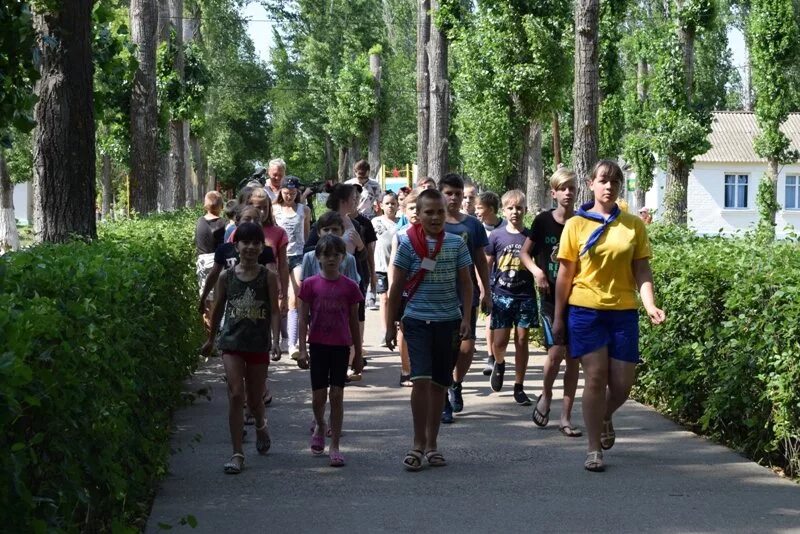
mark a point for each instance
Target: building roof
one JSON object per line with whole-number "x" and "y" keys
{"x": 733, "y": 132}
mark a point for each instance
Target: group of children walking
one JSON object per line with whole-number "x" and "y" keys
{"x": 586, "y": 265}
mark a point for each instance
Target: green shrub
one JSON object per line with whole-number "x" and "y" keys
{"x": 727, "y": 361}
{"x": 96, "y": 339}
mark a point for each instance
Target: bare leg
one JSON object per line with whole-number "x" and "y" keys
{"x": 319, "y": 398}
{"x": 500, "y": 339}
{"x": 234, "y": 374}
{"x": 435, "y": 405}
{"x": 595, "y": 371}
{"x": 405, "y": 362}
{"x": 621, "y": 376}
{"x": 489, "y": 336}
{"x": 551, "y": 366}
{"x": 465, "y": 353}
{"x": 570, "y": 386}
{"x": 337, "y": 415}
{"x": 420, "y": 406}
{"x": 521, "y": 356}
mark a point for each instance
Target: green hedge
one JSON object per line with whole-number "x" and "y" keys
{"x": 727, "y": 361}
{"x": 96, "y": 340}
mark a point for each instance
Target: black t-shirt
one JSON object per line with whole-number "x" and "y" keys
{"x": 367, "y": 233}
{"x": 209, "y": 234}
{"x": 227, "y": 255}
{"x": 546, "y": 235}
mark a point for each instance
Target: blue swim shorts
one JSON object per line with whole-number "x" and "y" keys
{"x": 590, "y": 330}
{"x": 509, "y": 311}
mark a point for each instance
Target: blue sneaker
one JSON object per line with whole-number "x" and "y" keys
{"x": 447, "y": 413}
{"x": 454, "y": 397}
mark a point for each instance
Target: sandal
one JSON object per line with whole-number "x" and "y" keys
{"x": 607, "y": 436}
{"x": 249, "y": 420}
{"x": 337, "y": 459}
{"x": 317, "y": 444}
{"x": 232, "y": 466}
{"x": 302, "y": 363}
{"x": 594, "y": 462}
{"x": 570, "y": 431}
{"x": 413, "y": 460}
{"x": 405, "y": 381}
{"x": 435, "y": 458}
{"x": 263, "y": 441}
{"x": 539, "y": 418}
{"x": 267, "y": 400}
{"x": 276, "y": 357}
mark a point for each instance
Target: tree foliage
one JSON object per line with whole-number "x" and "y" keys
{"x": 19, "y": 68}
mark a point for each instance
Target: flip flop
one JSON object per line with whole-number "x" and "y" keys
{"x": 263, "y": 442}
{"x": 435, "y": 458}
{"x": 317, "y": 444}
{"x": 539, "y": 418}
{"x": 233, "y": 468}
{"x": 337, "y": 459}
{"x": 570, "y": 431}
{"x": 413, "y": 460}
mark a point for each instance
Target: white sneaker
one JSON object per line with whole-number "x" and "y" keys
{"x": 294, "y": 352}
{"x": 284, "y": 345}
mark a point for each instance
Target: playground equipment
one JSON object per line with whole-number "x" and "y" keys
{"x": 392, "y": 179}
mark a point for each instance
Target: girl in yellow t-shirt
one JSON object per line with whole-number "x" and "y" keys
{"x": 604, "y": 260}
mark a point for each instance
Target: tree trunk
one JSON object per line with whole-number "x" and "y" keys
{"x": 767, "y": 202}
{"x": 341, "y": 174}
{"x": 199, "y": 160}
{"x": 164, "y": 186}
{"x": 374, "y": 154}
{"x": 423, "y": 88}
{"x": 675, "y": 191}
{"x": 556, "y": 141}
{"x": 105, "y": 182}
{"x": 9, "y": 236}
{"x": 64, "y": 143}
{"x": 353, "y": 155}
{"x": 144, "y": 108}
{"x": 177, "y": 146}
{"x": 330, "y": 173}
{"x": 686, "y": 38}
{"x": 439, "y": 100}
{"x": 586, "y": 93}
{"x": 534, "y": 169}
{"x": 642, "y": 69}
{"x": 191, "y": 177}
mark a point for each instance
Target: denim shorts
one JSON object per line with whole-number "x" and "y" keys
{"x": 509, "y": 311}
{"x": 294, "y": 261}
{"x": 590, "y": 330}
{"x": 432, "y": 349}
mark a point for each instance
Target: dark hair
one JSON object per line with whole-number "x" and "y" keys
{"x": 330, "y": 244}
{"x": 244, "y": 194}
{"x": 611, "y": 167}
{"x": 361, "y": 165}
{"x": 231, "y": 207}
{"x": 405, "y": 189}
{"x": 451, "y": 180}
{"x": 248, "y": 232}
{"x": 330, "y": 218}
{"x": 339, "y": 193}
{"x": 240, "y": 209}
{"x": 490, "y": 199}
{"x": 389, "y": 194}
{"x": 433, "y": 194}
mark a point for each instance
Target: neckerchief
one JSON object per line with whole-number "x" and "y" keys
{"x": 584, "y": 212}
{"x": 416, "y": 235}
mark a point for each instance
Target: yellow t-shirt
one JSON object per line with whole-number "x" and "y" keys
{"x": 604, "y": 278}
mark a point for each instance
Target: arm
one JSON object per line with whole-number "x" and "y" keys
{"x": 644, "y": 281}
{"x": 211, "y": 280}
{"x": 275, "y": 315}
{"x": 302, "y": 334}
{"x": 306, "y": 221}
{"x": 566, "y": 272}
{"x": 216, "y": 313}
{"x": 538, "y": 275}
{"x": 397, "y": 277}
{"x": 373, "y": 280}
{"x": 482, "y": 270}
{"x": 283, "y": 273}
{"x": 355, "y": 333}
{"x": 465, "y": 286}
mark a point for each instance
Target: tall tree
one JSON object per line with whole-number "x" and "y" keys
{"x": 375, "y": 131}
{"x": 586, "y": 93}
{"x": 9, "y": 236}
{"x": 64, "y": 151}
{"x": 144, "y": 158}
{"x": 773, "y": 37}
{"x": 423, "y": 85}
{"x": 177, "y": 145}
{"x": 439, "y": 90}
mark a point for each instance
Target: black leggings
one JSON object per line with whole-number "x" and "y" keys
{"x": 328, "y": 365}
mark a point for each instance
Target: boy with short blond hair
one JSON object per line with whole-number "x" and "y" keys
{"x": 513, "y": 297}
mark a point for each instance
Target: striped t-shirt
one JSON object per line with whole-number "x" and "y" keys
{"x": 435, "y": 298}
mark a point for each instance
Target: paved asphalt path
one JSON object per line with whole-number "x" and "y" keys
{"x": 504, "y": 474}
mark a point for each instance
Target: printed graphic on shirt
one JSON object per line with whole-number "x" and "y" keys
{"x": 246, "y": 307}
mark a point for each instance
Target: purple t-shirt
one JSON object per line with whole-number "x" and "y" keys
{"x": 509, "y": 277}
{"x": 330, "y": 302}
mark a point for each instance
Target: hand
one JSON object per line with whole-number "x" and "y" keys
{"x": 541, "y": 282}
{"x": 559, "y": 329}
{"x": 391, "y": 338}
{"x": 486, "y": 303}
{"x": 207, "y": 347}
{"x": 358, "y": 362}
{"x": 276, "y": 348}
{"x": 657, "y": 315}
{"x": 465, "y": 330}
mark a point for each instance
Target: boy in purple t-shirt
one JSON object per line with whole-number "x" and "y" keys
{"x": 329, "y": 315}
{"x": 513, "y": 298}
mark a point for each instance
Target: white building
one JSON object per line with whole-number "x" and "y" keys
{"x": 724, "y": 181}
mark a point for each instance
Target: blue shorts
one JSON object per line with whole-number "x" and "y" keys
{"x": 294, "y": 261}
{"x": 509, "y": 311}
{"x": 432, "y": 349}
{"x": 591, "y": 329}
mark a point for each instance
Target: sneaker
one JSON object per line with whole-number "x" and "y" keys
{"x": 294, "y": 352}
{"x": 373, "y": 305}
{"x": 489, "y": 366}
{"x": 284, "y": 345}
{"x": 497, "y": 376}
{"x": 454, "y": 397}
{"x": 352, "y": 376}
{"x": 521, "y": 398}
{"x": 447, "y": 413}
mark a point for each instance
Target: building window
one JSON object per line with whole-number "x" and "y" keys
{"x": 735, "y": 190}
{"x": 792, "y": 192}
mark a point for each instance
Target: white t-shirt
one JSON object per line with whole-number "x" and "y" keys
{"x": 370, "y": 193}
